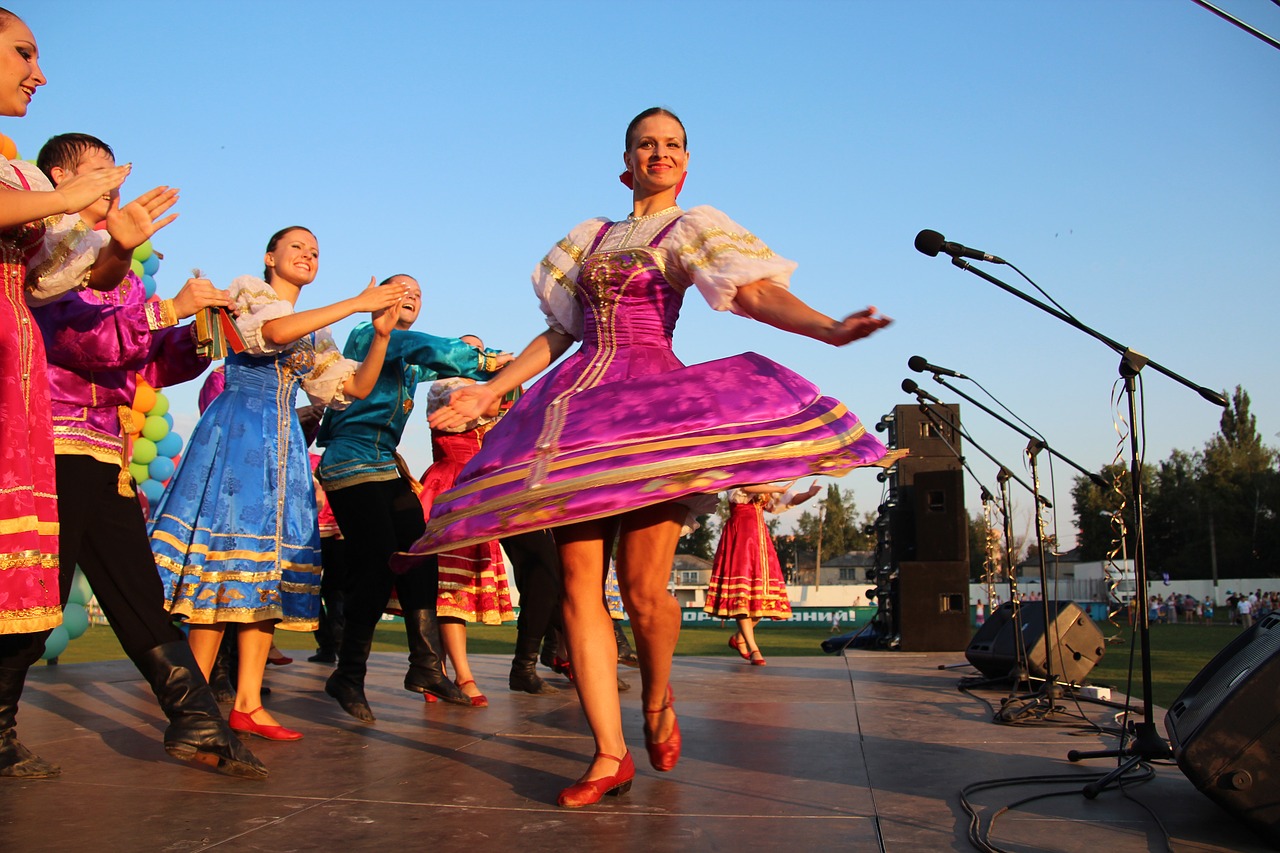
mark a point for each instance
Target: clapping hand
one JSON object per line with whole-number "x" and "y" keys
{"x": 80, "y": 191}
{"x": 858, "y": 325}
{"x": 132, "y": 225}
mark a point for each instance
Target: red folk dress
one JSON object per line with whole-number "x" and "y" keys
{"x": 746, "y": 578}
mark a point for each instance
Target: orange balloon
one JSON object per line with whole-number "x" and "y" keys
{"x": 139, "y": 418}
{"x": 7, "y": 148}
{"x": 144, "y": 397}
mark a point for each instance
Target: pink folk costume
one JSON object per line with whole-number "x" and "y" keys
{"x": 473, "y": 578}
{"x": 746, "y": 578}
{"x": 38, "y": 261}
{"x": 621, "y": 423}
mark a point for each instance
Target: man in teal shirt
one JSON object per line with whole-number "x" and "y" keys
{"x": 377, "y": 510}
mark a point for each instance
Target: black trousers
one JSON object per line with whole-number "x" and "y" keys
{"x": 535, "y": 568}
{"x": 106, "y": 535}
{"x": 376, "y": 520}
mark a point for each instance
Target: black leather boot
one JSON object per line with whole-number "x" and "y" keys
{"x": 426, "y": 659}
{"x": 346, "y": 682}
{"x": 524, "y": 676}
{"x": 220, "y": 675}
{"x": 626, "y": 654}
{"x": 15, "y": 759}
{"x": 197, "y": 732}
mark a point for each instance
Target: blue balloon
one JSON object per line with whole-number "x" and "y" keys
{"x": 56, "y": 643}
{"x": 170, "y": 445}
{"x": 150, "y": 264}
{"x": 168, "y": 418}
{"x": 149, "y": 284}
{"x": 153, "y": 489}
{"x": 161, "y": 468}
{"x": 80, "y": 591}
{"x": 75, "y": 619}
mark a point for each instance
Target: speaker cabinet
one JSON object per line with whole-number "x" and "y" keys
{"x": 942, "y": 527}
{"x": 933, "y": 606}
{"x": 1078, "y": 644}
{"x": 1225, "y": 728}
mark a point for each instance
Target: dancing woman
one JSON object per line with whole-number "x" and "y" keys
{"x": 235, "y": 534}
{"x": 45, "y": 250}
{"x": 746, "y": 579}
{"x": 622, "y": 442}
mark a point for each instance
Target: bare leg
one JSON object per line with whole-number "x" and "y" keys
{"x": 588, "y": 631}
{"x": 647, "y": 544}
{"x": 747, "y": 625}
{"x": 255, "y": 643}
{"x": 453, "y": 634}
{"x": 204, "y": 641}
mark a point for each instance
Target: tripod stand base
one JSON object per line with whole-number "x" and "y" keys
{"x": 1147, "y": 745}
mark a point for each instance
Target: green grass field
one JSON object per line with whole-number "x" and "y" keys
{"x": 1178, "y": 652}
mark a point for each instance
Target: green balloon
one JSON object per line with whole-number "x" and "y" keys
{"x": 80, "y": 591}
{"x": 138, "y": 472}
{"x": 143, "y": 252}
{"x": 56, "y": 643}
{"x": 75, "y": 618}
{"x": 161, "y": 406}
{"x": 136, "y": 266}
{"x": 155, "y": 428}
{"x": 144, "y": 449}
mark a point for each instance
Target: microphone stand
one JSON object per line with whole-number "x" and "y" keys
{"x": 1147, "y": 744}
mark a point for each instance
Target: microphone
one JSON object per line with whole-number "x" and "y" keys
{"x": 919, "y": 365}
{"x": 931, "y": 242}
{"x": 911, "y": 387}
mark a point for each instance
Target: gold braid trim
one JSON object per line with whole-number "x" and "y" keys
{"x": 124, "y": 481}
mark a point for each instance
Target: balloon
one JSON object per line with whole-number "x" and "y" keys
{"x": 144, "y": 450}
{"x": 148, "y": 285}
{"x": 136, "y": 266}
{"x": 137, "y": 419}
{"x": 139, "y": 471}
{"x": 161, "y": 405}
{"x": 75, "y": 619}
{"x": 168, "y": 418}
{"x": 152, "y": 489}
{"x": 170, "y": 445}
{"x": 144, "y": 397}
{"x": 8, "y": 149}
{"x": 144, "y": 251}
{"x": 80, "y": 591}
{"x": 150, "y": 264}
{"x": 155, "y": 428}
{"x": 161, "y": 468}
{"x": 56, "y": 643}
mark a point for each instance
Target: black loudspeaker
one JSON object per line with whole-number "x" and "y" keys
{"x": 933, "y": 606}
{"x": 1077, "y": 642}
{"x": 1225, "y": 728}
{"x": 942, "y": 527}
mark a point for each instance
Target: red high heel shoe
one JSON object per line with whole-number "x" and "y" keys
{"x": 476, "y": 701}
{"x": 243, "y": 723}
{"x": 738, "y": 647}
{"x": 589, "y": 792}
{"x": 757, "y": 659}
{"x": 663, "y": 756}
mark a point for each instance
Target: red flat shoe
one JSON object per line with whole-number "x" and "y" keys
{"x": 589, "y": 792}
{"x": 663, "y": 756}
{"x": 279, "y": 660}
{"x": 431, "y": 700}
{"x": 757, "y": 659}
{"x": 243, "y": 723}
{"x": 738, "y": 647}
{"x": 476, "y": 701}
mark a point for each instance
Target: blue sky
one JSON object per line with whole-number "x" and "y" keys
{"x": 1122, "y": 154}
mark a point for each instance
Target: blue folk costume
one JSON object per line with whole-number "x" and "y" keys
{"x": 360, "y": 440}
{"x": 235, "y": 534}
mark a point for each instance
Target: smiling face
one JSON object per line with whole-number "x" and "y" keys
{"x": 294, "y": 257}
{"x": 90, "y": 160}
{"x": 656, "y": 155}
{"x": 20, "y": 73}
{"x": 412, "y": 304}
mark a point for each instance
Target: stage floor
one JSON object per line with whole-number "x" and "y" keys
{"x": 869, "y": 751}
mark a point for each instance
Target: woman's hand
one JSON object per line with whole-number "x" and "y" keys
{"x": 80, "y": 191}
{"x": 465, "y": 405}
{"x": 857, "y": 325}
{"x": 200, "y": 293}
{"x": 374, "y": 299}
{"x": 385, "y": 320}
{"x": 132, "y": 225}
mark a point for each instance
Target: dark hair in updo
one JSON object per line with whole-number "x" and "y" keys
{"x": 655, "y": 111}
{"x": 275, "y": 241}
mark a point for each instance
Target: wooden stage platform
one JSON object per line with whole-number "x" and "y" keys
{"x": 867, "y": 751}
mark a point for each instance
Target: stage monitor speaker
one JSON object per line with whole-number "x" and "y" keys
{"x": 1077, "y": 642}
{"x": 1225, "y": 728}
{"x": 933, "y": 606}
{"x": 916, "y": 431}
